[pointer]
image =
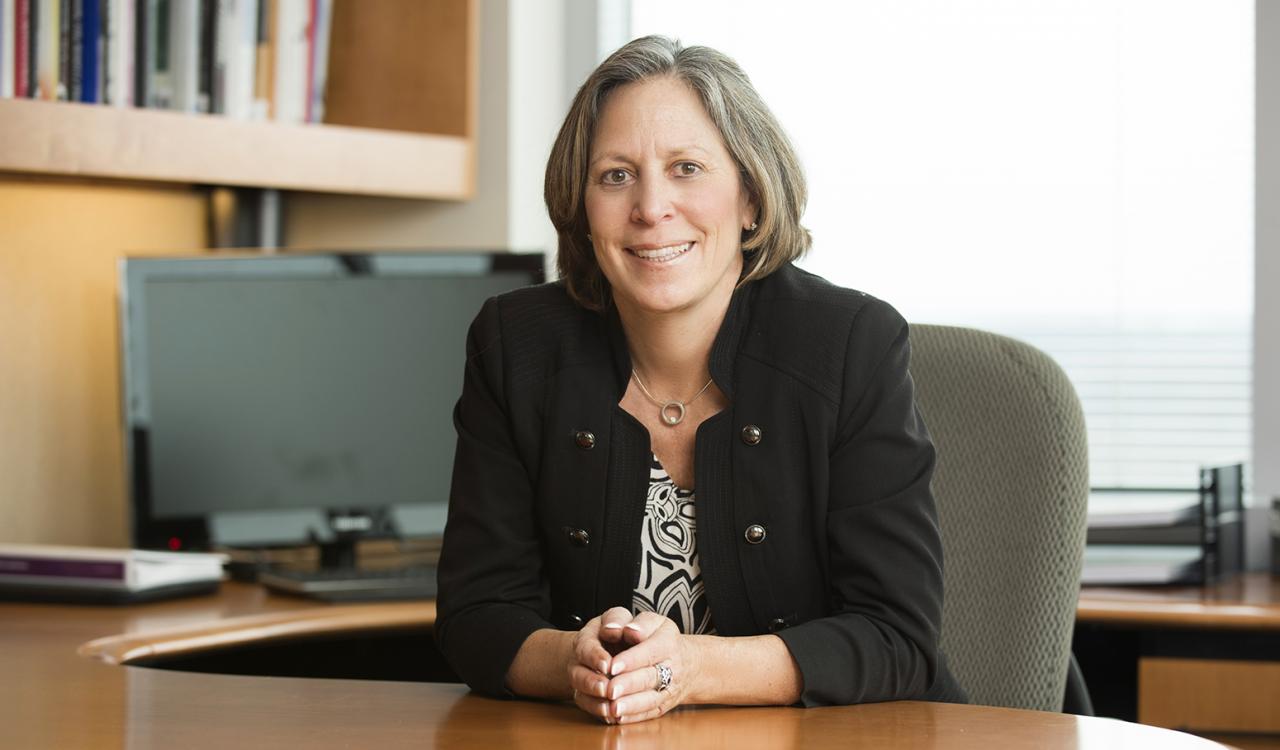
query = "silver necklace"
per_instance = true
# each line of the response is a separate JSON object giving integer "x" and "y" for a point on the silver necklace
{"x": 672, "y": 412}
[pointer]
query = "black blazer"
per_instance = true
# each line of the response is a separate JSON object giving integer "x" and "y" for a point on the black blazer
{"x": 821, "y": 447}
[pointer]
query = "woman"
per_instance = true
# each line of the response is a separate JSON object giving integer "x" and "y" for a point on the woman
{"x": 688, "y": 472}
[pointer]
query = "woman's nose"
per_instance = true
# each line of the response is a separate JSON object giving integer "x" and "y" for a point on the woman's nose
{"x": 653, "y": 202}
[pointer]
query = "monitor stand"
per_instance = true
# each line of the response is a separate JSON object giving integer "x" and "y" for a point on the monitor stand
{"x": 339, "y": 554}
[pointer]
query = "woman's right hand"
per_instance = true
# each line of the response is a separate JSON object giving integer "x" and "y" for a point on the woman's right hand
{"x": 593, "y": 649}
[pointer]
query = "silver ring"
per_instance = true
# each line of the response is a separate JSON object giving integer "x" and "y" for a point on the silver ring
{"x": 664, "y": 677}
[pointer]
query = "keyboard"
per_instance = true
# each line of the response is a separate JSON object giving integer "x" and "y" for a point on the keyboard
{"x": 354, "y": 585}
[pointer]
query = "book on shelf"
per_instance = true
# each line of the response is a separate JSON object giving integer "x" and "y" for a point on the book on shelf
{"x": 44, "y": 38}
{"x": 143, "y": 51}
{"x": 244, "y": 59}
{"x": 21, "y": 47}
{"x": 263, "y": 107}
{"x": 158, "y": 68}
{"x": 1170, "y": 537}
{"x": 321, "y": 23}
{"x": 67, "y": 10}
{"x": 117, "y": 45}
{"x": 8, "y": 41}
{"x": 292, "y": 58}
{"x": 235, "y": 58}
{"x": 105, "y": 575}
{"x": 206, "y": 58}
{"x": 183, "y": 45}
{"x": 88, "y": 52}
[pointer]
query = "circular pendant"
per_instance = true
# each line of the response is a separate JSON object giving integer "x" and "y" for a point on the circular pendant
{"x": 672, "y": 413}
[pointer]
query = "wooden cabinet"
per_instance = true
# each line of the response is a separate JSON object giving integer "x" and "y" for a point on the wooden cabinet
{"x": 399, "y": 119}
{"x": 1209, "y": 695}
{"x": 1196, "y": 658}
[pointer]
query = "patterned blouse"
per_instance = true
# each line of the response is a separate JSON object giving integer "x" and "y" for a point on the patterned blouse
{"x": 670, "y": 577}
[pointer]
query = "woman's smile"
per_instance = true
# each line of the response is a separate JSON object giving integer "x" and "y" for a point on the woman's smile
{"x": 660, "y": 253}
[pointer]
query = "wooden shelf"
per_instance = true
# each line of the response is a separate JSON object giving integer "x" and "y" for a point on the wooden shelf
{"x": 400, "y": 119}
{"x": 84, "y": 140}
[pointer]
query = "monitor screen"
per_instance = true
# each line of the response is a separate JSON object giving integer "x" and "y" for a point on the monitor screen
{"x": 284, "y": 399}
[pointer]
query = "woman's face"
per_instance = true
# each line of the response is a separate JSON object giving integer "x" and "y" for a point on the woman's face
{"x": 664, "y": 201}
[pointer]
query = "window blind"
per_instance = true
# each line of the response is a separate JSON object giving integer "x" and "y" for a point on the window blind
{"x": 1061, "y": 171}
{"x": 1158, "y": 403}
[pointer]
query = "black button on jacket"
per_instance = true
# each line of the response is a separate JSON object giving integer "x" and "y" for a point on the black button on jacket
{"x": 853, "y": 562}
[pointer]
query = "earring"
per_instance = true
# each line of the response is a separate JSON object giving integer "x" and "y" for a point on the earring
{"x": 588, "y": 236}
{"x": 753, "y": 226}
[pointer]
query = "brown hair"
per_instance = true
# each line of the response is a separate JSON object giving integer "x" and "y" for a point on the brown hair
{"x": 767, "y": 163}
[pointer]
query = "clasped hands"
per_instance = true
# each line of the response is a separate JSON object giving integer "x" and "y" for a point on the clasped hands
{"x": 613, "y": 671}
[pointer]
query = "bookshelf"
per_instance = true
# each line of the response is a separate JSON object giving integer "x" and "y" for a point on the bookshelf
{"x": 400, "y": 120}
{"x": 82, "y": 186}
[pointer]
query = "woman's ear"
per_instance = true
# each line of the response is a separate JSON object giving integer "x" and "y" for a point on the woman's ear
{"x": 750, "y": 215}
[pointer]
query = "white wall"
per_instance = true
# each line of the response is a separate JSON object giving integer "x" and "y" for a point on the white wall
{"x": 536, "y": 101}
{"x": 1266, "y": 319}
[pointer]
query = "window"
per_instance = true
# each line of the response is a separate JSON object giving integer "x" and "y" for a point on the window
{"x": 1074, "y": 173}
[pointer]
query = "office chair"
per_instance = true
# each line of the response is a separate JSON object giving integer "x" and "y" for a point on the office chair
{"x": 1011, "y": 484}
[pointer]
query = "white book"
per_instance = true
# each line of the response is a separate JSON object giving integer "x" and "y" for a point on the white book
{"x": 236, "y": 59}
{"x": 184, "y": 54}
{"x": 131, "y": 570}
{"x": 8, "y": 20}
{"x": 119, "y": 56}
{"x": 293, "y": 54}
{"x": 48, "y": 38}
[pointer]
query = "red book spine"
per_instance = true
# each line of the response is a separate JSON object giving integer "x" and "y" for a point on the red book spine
{"x": 21, "y": 52}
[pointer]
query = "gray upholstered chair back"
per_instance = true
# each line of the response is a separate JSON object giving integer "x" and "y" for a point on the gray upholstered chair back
{"x": 1012, "y": 483}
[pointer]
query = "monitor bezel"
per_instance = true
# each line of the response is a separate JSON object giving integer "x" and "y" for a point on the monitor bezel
{"x": 195, "y": 532}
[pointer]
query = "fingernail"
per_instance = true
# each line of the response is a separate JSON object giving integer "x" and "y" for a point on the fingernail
{"x": 613, "y": 694}
{"x": 612, "y": 625}
{"x": 618, "y": 668}
{"x": 603, "y": 668}
{"x": 600, "y": 686}
{"x": 633, "y": 626}
{"x": 619, "y": 709}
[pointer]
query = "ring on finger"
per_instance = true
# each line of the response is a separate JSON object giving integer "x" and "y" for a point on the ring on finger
{"x": 664, "y": 677}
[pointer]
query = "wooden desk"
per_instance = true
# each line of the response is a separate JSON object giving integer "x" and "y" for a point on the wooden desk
{"x": 63, "y": 687}
{"x": 1246, "y": 602}
{"x": 1196, "y": 658}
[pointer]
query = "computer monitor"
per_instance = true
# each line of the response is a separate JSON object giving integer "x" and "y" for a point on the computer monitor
{"x": 297, "y": 399}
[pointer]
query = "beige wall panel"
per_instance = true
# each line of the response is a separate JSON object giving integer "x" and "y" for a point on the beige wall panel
{"x": 318, "y": 221}
{"x": 62, "y": 477}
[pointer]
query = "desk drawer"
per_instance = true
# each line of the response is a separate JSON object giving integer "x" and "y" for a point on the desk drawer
{"x": 1209, "y": 694}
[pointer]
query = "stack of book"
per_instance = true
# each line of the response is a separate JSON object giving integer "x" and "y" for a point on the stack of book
{"x": 245, "y": 59}
{"x": 106, "y": 576}
{"x": 1167, "y": 537}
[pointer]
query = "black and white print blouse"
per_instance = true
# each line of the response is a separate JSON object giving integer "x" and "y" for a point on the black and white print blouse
{"x": 670, "y": 577}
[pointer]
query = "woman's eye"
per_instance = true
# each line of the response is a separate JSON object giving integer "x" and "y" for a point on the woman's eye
{"x": 614, "y": 177}
{"x": 687, "y": 169}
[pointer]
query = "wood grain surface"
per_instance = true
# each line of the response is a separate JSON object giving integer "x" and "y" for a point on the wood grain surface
{"x": 1250, "y": 601}
{"x": 86, "y": 140}
{"x": 54, "y": 697}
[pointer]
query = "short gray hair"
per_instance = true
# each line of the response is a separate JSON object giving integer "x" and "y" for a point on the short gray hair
{"x": 767, "y": 163}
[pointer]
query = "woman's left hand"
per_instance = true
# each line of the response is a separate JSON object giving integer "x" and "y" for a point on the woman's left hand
{"x": 634, "y": 689}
